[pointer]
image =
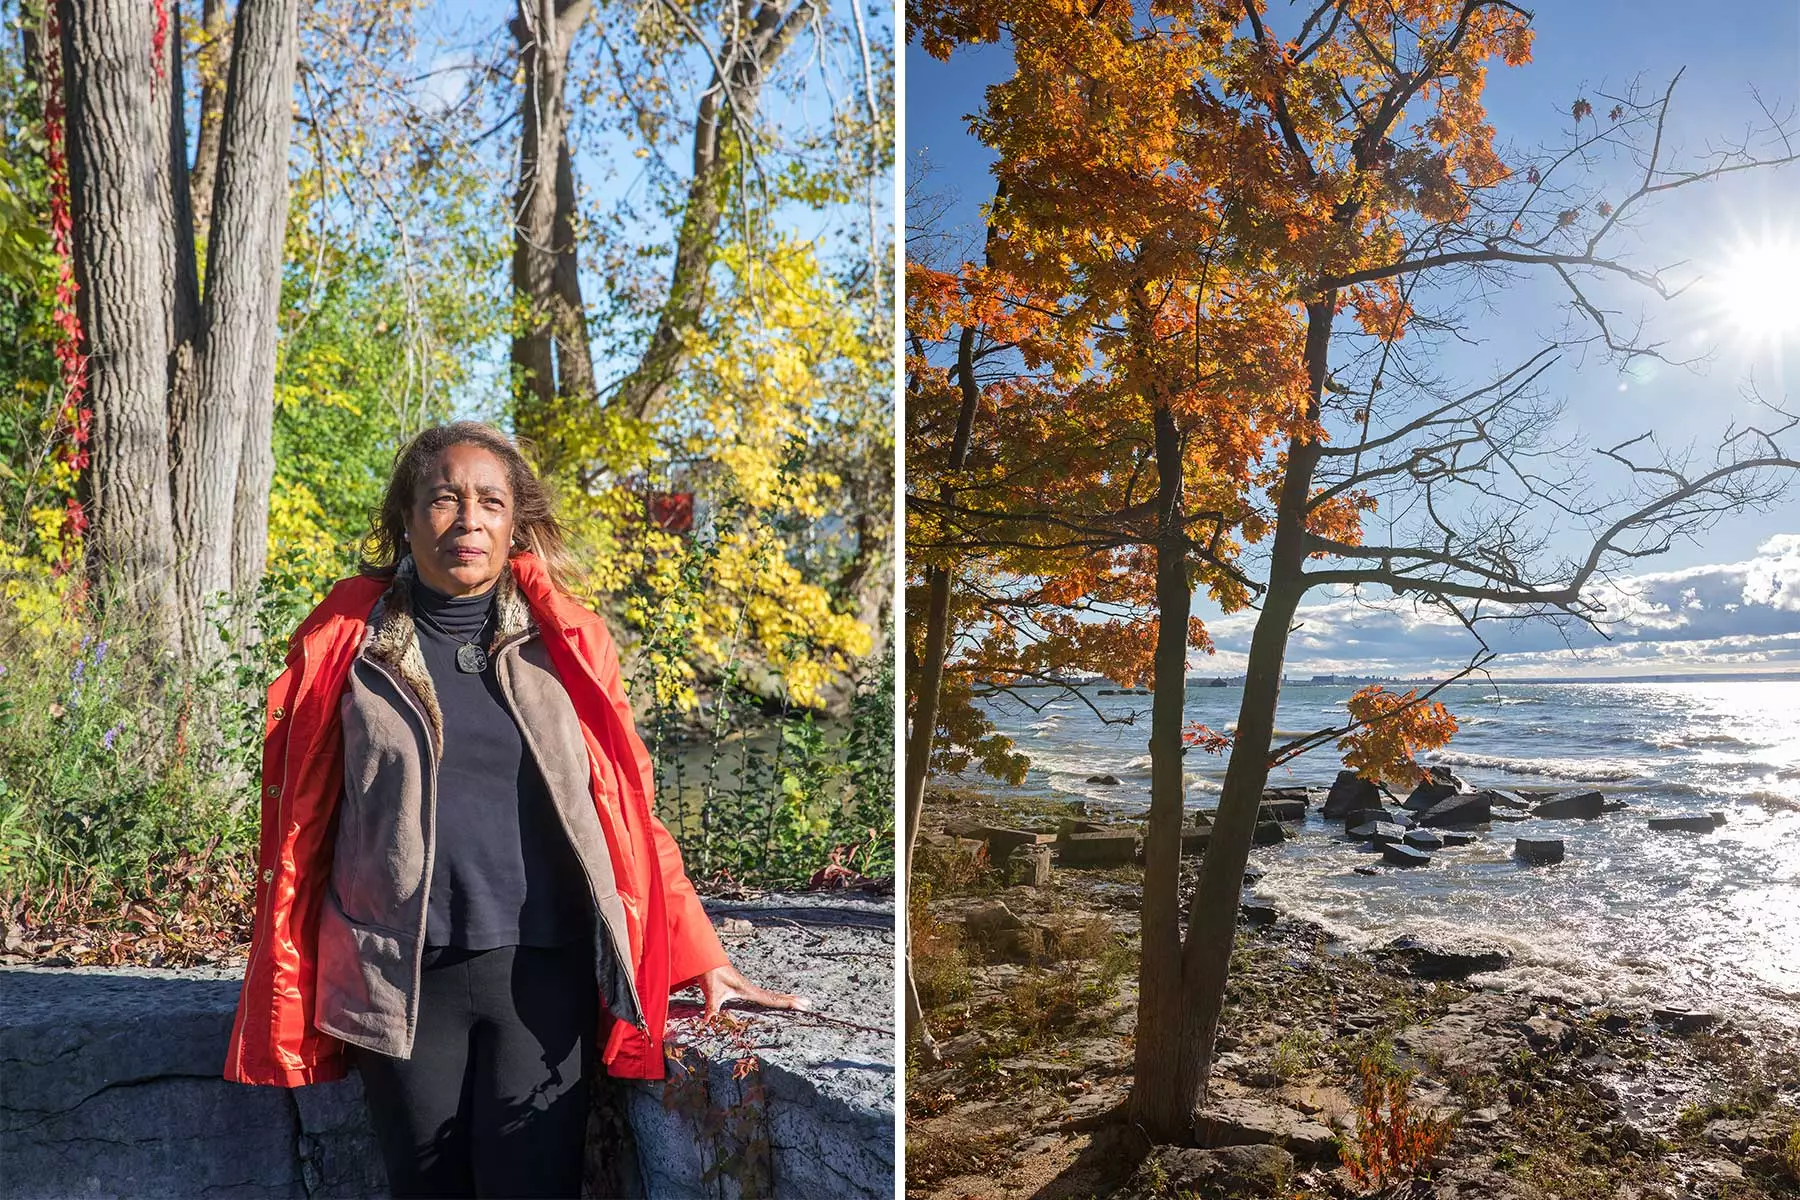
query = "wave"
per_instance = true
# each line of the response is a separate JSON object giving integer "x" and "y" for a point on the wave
{"x": 1500, "y": 700}
{"x": 1684, "y": 741}
{"x": 1577, "y": 770}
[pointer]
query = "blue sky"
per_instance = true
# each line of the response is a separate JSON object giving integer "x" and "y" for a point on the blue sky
{"x": 611, "y": 167}
{"x": 1741, "y": 583}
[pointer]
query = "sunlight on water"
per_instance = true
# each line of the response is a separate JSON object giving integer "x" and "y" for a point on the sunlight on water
{"x": 1710, "y": 919}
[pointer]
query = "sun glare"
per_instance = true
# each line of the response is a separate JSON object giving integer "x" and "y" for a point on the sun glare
{"x": 1757, "y": 289}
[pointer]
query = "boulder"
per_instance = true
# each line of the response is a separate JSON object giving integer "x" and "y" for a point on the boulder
{"x": 1397, "y": 816}
{"x": 1069, "y": 825}
{"x": 1287, "y": 792}
{"x": 1112, "y": 780}
{"x": 1404, "y": 856}
{"x": 1433, "y": 956}
{"x": 1229, "y": 1171}
{"x": 1257, "y": 910}
{"x": 1096, "y": 849}
{"x": 1193, "y": 841}
{"x": 1003, "y": 933}
{"x": 1282, "y": 810}
{"x": 1451, "y": 837}
{"x": 1538, "y": 851}
{"x": 1367, "y": 870}
{"x": 1244, "y": 1122}
{"x": 1378, "y": 831}
{"x": 1028, "y": 865}
{"x": 984, "y": 922}
{"x": 1350, "y": 792}
{"x": 1717, "y": 814}
{"x": 1684, "y": 1019}
{"x": 1501, "y": 798}
{"x": 1685, "y": 823}
{"x": 1467, "y": 808}
{"x": 1577, "y": 806}
{"x": 1001, "y": 841}
{"x": 1439, "y": 787}
{"x": 1423, "y": 839}
{"x": 1507, "y": 816}
{"x": 1270, "y": 833}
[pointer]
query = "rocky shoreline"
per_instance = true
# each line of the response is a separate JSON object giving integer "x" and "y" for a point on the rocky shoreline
{"x": 1024, "y": 946}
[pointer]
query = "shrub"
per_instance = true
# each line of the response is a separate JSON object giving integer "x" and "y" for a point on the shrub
{"x": 1392, "y": 1143}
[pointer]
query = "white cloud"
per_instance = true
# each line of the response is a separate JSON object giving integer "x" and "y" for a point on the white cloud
{"x": 1727, "y": 616}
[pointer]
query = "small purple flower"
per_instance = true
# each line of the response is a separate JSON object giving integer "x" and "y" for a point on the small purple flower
{"x": 79, "y": 671}
{"x": 107, "y": 739}
{"x": 99, "y": 653}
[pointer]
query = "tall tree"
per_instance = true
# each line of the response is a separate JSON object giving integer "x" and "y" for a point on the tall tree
{"x": 183, "y": 379}
{"x": 1347, "y": 166}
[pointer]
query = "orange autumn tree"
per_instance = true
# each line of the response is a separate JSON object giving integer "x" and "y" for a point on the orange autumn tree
{"x": 1274, "y": 221}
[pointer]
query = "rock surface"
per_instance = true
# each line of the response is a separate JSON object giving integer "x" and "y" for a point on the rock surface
{"x": 1583, "y": 806}
{"x": 1538, "y": 851}
{"x": 1401, "y": 855}
{"x": 113, "y": 1081}
{"x": 1444, "y": 957}
{"x": 1228, "y": 1172}
{"x": 1350, "y": 792}
{"x": 1244, "y": 1122}
{"x": 1686, "y": 823}
{"x": 1469, "y": 808}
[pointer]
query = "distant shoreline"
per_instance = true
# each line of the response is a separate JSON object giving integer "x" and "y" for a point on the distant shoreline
{"x": 1534, "y": 680}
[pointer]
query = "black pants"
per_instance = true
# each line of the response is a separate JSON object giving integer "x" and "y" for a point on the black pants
{"x": 494, "y": 1100}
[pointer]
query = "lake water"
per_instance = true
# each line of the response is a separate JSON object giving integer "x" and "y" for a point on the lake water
{"x": 1631, "y": 915}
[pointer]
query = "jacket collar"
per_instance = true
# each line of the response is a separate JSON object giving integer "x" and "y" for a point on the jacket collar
{"x": 392, "y": 638}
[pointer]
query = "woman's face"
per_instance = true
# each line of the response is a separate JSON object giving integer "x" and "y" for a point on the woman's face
{"x": 460, "y": 527}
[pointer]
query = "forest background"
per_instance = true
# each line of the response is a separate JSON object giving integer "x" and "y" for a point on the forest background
{"x": 686, "y": 313}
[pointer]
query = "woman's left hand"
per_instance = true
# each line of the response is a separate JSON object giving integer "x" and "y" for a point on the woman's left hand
{"x": 727, "y": 982}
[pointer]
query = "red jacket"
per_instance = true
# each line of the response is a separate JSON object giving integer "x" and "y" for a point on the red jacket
{"x": 273, "y": 1040}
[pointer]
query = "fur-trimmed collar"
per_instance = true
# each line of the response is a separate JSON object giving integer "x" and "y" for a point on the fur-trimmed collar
{"x": 393, "y": 640}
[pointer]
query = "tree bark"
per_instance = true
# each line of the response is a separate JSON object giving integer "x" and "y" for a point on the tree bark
{"x": 119, "y": 179}
{"x": 224, "y": 462}
{"x": 1212, "y": 916}
{"x": 931, "y": 672}
{"x": 552, "y": 363}
{"x": 1157, "y": 1101}
{"x": 730, "y": 99}
{"x": 212, "y": 62}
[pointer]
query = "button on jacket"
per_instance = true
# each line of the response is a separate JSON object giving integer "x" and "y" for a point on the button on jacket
{"x": 353, "y": 735}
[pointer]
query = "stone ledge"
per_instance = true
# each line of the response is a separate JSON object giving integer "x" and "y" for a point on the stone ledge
{"x": 112, "y": 1087}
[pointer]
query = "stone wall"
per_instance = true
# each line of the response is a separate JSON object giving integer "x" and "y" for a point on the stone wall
{"x": 110, "y": 1083}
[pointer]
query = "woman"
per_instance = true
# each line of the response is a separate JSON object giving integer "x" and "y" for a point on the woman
{"x": 462, "y": 888}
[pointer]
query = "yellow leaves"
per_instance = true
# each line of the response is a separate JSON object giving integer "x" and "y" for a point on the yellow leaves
{"x": 1393, "y": 730}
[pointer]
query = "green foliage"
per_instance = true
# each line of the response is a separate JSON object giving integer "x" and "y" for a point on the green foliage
{"x": 128, "y": 815}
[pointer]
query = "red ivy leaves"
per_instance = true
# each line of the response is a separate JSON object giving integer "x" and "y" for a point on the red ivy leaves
{"x": 74, "y": 419}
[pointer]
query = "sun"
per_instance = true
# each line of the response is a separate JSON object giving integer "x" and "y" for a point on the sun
{"x": 1756, "y": 290}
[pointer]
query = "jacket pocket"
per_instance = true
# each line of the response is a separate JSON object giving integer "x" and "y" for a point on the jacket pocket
{"x": 366, "y": 993}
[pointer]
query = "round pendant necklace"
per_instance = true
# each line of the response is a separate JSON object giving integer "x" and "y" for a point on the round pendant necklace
{"x": 471, "y": 659}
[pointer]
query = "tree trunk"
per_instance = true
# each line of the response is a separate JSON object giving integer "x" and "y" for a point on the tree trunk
{"x": 1212, "y": 917}
{"x": 224, "y": 462}
{"x": 119, "y": 180}
{"x": 731, "y": 98}
{"x": 212, "y": 62}
{"x": 550, "y": 352}
{"x": 918, "y": 760}
{"x": 931, "y": 672}
{"x": 1156, "y": 1100}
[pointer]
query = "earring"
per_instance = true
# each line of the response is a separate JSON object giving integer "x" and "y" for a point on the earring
{"x": 406, "y": 537}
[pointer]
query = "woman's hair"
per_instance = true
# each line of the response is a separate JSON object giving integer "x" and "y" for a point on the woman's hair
{"x": 534, "y": 521}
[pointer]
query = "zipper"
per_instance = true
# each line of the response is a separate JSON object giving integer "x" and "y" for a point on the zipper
{"x": 431, "y": 768}
{"x": 612, "y": 934}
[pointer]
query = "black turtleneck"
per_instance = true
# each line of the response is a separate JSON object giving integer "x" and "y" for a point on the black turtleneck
{"x": 503, "y": 872}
